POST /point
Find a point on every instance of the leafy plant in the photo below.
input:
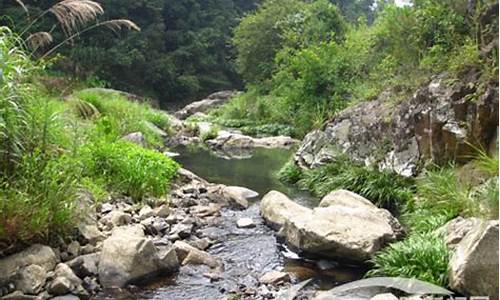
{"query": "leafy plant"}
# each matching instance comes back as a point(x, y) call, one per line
point(421, 256)
point(290, 172)
point(212, 133)
point(131, 169)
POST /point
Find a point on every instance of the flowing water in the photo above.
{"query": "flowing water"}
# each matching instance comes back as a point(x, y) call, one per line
point(247, 253)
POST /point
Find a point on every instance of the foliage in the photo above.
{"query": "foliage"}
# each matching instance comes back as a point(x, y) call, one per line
point(130, 169)
point(421, 256)
point(212, 133)
point(290, 172)
point(381, 187)
point(122, 117)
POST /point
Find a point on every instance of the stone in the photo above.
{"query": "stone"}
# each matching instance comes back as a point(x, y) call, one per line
point(146, 212)
point(137, 138)
point(18, 295)
point(212, 101)
point(386, 296)
point(438, 123)
point(473, 267)
point(455, 230)
point(162, 211)
point(234, 196)
point(64, 271)
point(66, 297)
point(85, 265)
point(188, 254)
point(37, 254)
point(128, 256)
point(106, 208)
point(30, 279)
point(60, 286)
point(274, 277)
point(182, 230)
point(73, 249)
point(245, 223)
point(116, 218)
point(229, 141)
point(276, 208)
point(90, 234)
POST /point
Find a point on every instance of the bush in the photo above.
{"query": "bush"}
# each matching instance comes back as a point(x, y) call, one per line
point(421, 256)
point(124, 117)
point(290, 172)
point(131, 169)
point(39, 200)
point(383, 188)
point(210, 134)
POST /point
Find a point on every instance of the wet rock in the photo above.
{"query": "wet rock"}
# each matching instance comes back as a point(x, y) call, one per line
point(182, 230)
point(136, 138)
point(37, 254)
point(245, 223)
point(30, 279)
point(65, 281)
point(155, 226)
point(229, 141)
point(276, 208)
point(188, 254)
point(234, 196)
point(212, 209)
point(127, 256)
point(66, 297)
point(474, 264)
point(18, 295)
point(90, 234)
point(211, 102)
point(85, 265)
point(274, 277)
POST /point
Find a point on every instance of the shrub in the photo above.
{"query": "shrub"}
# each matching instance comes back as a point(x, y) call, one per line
point(290, 172)
point(383, 188)
point(421, 256)
point(210, 134)
point(39, 201)
point(131, 169)
point(124, 117)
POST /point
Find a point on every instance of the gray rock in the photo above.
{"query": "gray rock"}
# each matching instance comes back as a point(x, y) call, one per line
point(274, 277)
point(116, 218)
point(85, 265)
point(127, 257)
point(212, 101)
point(276, 208)
point(474, 264)
point(245, 223)
point(66, 297)
point(136, 138)
point(60, 286)
point(73, 249)
point(18, 295)
point(90, 233)
point(455, 230)
point(188, 254)
point(146, 212)
point(162, 211)
point(231, 195)
point(30, 279)
point(386, 296)
point(66, 275)
point(229, 141)
point(437, 124)
point(182, 230)
point(40, 255)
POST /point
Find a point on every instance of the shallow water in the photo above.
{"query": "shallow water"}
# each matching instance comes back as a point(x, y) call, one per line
point(247, 254)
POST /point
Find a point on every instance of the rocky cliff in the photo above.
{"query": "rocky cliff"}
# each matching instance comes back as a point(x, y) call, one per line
point(441, 122)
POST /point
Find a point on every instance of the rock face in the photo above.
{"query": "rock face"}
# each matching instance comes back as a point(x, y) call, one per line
point(212, 101)
point(345, 225)
point(127, 256)
point(474, 264)
point(436, 124)
point(39, 255)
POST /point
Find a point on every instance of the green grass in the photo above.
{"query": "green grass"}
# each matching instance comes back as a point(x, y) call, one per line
point(123, 116)
point(130, 169)
point(290, 172)
point(384, 188)
point(210, 134)
point(421, 256)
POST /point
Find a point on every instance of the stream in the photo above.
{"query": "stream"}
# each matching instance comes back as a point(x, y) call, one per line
point(247, 254)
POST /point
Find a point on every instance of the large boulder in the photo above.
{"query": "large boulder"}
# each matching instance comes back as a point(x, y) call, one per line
point(276, 208)
point(128, 256)
point(230, 141)
point(40, 255)
point(211, 102)
point(455, 230)
point(437, 124)
point(345, 225)
point(473, 268)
